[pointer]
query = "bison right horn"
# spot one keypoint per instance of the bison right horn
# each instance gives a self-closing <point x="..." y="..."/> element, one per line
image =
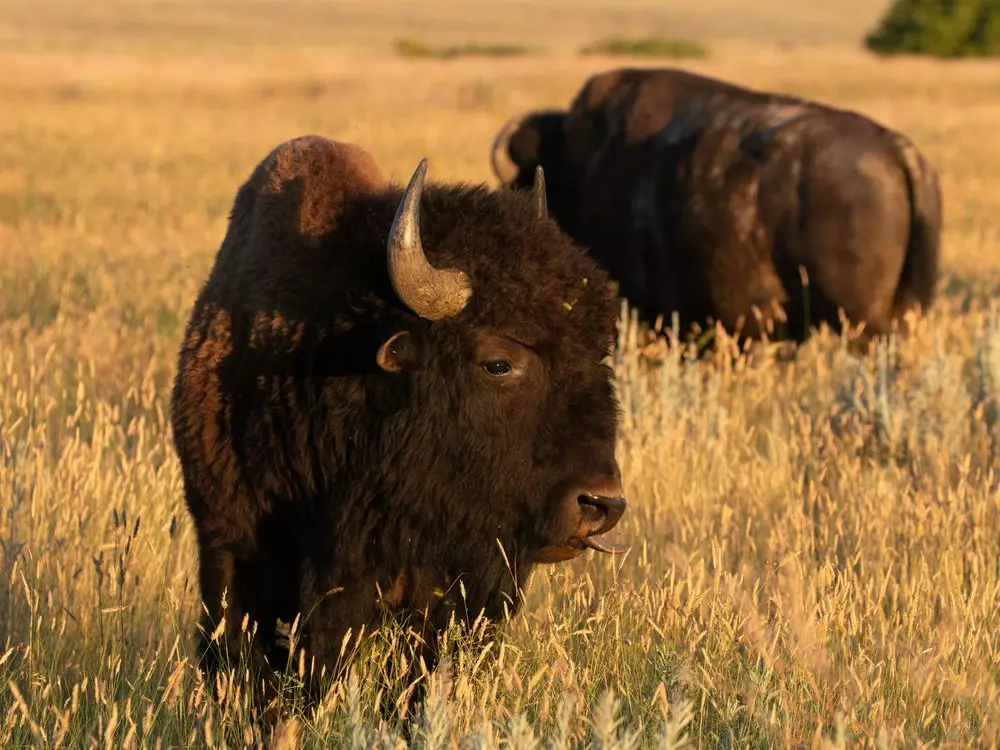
<point x="429" y="292"/>
<point x="541" y="202"/>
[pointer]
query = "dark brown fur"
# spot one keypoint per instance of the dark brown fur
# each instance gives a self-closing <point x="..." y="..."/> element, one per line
<point x="710" y="199"/>
<point x="308" y="468"/>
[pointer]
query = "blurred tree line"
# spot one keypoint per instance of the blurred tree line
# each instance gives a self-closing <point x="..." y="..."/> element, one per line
<point x="941" y="28"/>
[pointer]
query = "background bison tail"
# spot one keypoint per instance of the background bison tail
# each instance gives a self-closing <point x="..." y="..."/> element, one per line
<point x="918" y="278"/>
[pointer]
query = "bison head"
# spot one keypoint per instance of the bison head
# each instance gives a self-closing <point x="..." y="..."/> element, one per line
<point x="479" y="439"/>
<point x="523" y="405"/>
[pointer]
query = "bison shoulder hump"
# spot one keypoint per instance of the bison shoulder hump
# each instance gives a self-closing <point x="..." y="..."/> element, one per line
<point x="601" y="88"/>
<point x="311" y="178"/>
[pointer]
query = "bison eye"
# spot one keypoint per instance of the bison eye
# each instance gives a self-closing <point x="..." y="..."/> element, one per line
<point x="497" y="367"/>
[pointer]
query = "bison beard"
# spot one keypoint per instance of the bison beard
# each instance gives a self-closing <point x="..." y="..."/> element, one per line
<point x="388" y="402"/>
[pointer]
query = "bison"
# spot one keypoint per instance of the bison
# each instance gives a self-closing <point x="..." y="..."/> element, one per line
<point x="389" y="403"/>
<point x="722" y="203"/>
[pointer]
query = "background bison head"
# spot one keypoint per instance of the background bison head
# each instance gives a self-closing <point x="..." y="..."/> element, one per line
<point x="528" y="142"/>
<point x="563" y="142"/>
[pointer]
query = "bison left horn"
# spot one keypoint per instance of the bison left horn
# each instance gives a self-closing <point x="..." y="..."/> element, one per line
<point x="429" y="292"/>
<point x="541" y="203"/>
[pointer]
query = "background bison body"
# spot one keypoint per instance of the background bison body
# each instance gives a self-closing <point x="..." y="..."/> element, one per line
<point x="717" y="201"/>
<point x="352" y="445"/>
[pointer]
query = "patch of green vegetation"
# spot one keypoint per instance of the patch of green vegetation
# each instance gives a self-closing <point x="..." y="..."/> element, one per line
<point x="409" y="47"/>
<point x="939" y="28"/>
<point x="656" y="46"/>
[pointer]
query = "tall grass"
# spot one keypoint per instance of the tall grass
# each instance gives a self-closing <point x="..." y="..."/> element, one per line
<point x="814" y="542"/>
<point x="814" y="546"/>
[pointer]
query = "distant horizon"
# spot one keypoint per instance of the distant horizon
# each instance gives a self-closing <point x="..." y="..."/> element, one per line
<point x="559" y="24"/>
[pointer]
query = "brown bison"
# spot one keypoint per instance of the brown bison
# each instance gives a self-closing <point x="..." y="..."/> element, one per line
<point x="389" y="402"/>
<point x="719" y="202"/>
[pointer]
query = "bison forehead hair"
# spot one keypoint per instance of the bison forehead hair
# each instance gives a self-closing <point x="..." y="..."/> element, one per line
<point x="339" y="428"/>
<point x="528" y="278"/>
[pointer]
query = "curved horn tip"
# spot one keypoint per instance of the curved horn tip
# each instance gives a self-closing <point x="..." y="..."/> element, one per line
<point x="539" y="177"/>
<point x="406" y="223"/>
<point x="541" y="201"/>
<point x="414" y="189"/>
<point x="419" y="172"/>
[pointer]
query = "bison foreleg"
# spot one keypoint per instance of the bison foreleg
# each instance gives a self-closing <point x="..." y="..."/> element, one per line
<point x="226" y="633"/>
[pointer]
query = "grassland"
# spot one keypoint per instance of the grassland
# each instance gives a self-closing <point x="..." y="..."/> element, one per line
<point x="815" y="544"/>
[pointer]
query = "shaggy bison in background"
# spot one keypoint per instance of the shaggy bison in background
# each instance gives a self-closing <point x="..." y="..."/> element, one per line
<point x="711" y="200"/>
<point x="389" y="401"/>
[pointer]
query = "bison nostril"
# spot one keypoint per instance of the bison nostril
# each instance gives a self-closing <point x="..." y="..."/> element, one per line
<point x="606" y="510"/>
<point x="591" y="507"/>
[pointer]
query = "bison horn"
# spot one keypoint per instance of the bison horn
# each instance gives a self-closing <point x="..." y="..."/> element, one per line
<point x="503" y="166"/>
<point x="430" y="292"/>
<point x="541" y="203"/>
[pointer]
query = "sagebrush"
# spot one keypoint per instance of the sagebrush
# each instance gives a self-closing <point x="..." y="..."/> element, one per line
<point x="941" y="28"/>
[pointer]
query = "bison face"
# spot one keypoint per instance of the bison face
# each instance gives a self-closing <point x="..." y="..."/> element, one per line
<point x="568" y="475"/>
<point x="526" y="444"/>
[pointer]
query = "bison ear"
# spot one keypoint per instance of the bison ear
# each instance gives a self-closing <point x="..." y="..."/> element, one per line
<point x="398" y="353"/>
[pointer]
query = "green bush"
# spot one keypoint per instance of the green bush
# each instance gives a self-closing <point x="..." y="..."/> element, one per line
<point x="648" y="47"/>
<point x="409" y="47"/>
<point x="941" y="28"/>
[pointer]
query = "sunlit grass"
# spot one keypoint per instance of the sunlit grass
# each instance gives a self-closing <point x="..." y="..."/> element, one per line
<point x="815" y="543"/>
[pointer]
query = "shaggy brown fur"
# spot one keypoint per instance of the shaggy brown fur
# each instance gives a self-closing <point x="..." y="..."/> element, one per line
<point x="710" y="200"/>
<point x="332" y="440"/>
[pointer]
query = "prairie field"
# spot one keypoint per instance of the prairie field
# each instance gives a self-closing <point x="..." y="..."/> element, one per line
<point x="815" y="542"/>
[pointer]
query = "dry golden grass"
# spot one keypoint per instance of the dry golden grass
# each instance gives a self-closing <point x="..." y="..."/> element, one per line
<point x="815" y="544"/>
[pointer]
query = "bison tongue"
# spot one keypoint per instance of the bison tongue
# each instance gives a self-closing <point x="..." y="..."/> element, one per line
<point x="598" y="544"/>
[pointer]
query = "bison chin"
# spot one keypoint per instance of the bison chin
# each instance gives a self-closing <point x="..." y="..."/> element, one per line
<point x="575" y="547"/>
